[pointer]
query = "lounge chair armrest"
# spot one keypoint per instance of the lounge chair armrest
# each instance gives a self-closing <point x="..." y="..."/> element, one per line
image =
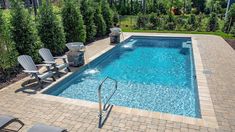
<point x="46" y="65"/>
<point x="60" y="57"/>
<point x="49" y="62"/>
<point x="26" y="71"/>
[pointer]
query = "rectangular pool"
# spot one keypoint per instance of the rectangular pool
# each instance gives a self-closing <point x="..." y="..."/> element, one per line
<point x="153" y="73"/>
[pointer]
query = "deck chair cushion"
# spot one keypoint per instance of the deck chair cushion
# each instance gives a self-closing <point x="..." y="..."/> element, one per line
<point x="45" y="128"/>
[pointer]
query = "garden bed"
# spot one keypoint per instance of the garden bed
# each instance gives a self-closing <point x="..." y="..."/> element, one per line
<point x="231" y="42"/>
<point x="12" y="80"/>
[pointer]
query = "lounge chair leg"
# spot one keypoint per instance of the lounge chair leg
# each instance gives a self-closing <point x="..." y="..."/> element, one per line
<point x="53" y="78"/>
<point x="68" y="69"/>
<point x="58" y="73"/>
<point x="40" y="84"/>
<point x="39" y="81"/>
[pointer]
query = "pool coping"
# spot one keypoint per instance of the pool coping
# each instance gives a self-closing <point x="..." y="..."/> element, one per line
<point x="208" y="118"/>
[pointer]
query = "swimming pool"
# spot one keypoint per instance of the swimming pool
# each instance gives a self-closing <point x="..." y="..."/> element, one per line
<point x="153" y="73"/>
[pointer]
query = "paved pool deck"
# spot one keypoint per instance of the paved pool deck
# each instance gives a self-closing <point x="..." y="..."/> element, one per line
<point x="216" y="67"/>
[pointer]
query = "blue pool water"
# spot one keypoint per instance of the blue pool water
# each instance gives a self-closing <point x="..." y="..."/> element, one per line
<point x="153" y="73"/>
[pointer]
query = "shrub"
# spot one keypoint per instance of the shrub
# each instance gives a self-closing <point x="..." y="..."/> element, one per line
<point x="200" y="22"/>
<point x="88" y="18"/>
<point x="8" y="51"/>
<point x="192" y="23"/>
<point x="24" y="32"/>
<point x="99" y="21"/>
<point x="50" y="30"/>
<point x="212" y="24"/>
<point x="141" y="21"/>
<point x="170" y="22"/>
<point x="73" y="22"/>
<point x="154" y="21"/>
<point x="180" y="23"/>
<point x="107" y="15"/>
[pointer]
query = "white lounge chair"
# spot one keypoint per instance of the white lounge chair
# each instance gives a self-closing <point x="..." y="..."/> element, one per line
<point x="49" y="59"/>
<point x="29" y="67"/>
<point x="46" y="128"/>
<point x="7" y="120"/>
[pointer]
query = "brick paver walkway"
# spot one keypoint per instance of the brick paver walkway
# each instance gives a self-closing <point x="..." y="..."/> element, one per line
<point x="218" y="59"/>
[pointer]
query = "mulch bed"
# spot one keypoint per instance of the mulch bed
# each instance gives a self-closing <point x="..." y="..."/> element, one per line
<point x="13" y="80"/>
<point x="231" y="42"/>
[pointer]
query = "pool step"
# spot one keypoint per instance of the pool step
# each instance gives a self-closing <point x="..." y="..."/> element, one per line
<point x="185" y="47"/>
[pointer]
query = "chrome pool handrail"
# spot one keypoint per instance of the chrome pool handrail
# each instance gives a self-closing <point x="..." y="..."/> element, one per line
<point x="100" y="100"/>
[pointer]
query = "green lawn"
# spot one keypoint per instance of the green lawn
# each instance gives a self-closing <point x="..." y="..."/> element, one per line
<point x="223" y="35"/>
<point x="128" y="23"/>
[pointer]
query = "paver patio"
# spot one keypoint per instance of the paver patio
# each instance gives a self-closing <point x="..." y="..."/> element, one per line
<point x="218" y="60"/>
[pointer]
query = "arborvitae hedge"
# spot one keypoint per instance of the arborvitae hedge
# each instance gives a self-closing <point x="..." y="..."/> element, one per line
<point x="24" y="32"/>
<point x="99" y="21"/>
<point x="88" y="17"/>
<point x="73" y="22"/>
<point x="115" y="17"/>
<point x="51" y="30"/>
<point x="9" y="54"/>
<point x="107" y="15"/>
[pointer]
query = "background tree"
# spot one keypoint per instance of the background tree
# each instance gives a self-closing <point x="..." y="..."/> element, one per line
<point x="73" y="22"/>
<point x="199" y="5"/>
<point x="212" y="24"/>
<point x="107" y="14"/>
<point x="99" y="21"/>
<point x="87" y="11"/>
<point x="233" y="30"/>
<point x="230" y="19"/>
<point x="24" y="32"/>
<point x="51" y="30"/>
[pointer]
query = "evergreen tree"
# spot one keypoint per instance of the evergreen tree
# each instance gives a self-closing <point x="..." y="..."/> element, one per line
<point x="99" y="21"/>
<point x="51" y="30"/>
<point x="107" y="15"/>
<point x="73" y="22"/>
<point x="24" y="32"/>
<point x="115" y="17"/>
<point x="212" y="24"/>
<point x="88" y="17"/>
<point x="7" y="47"/>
